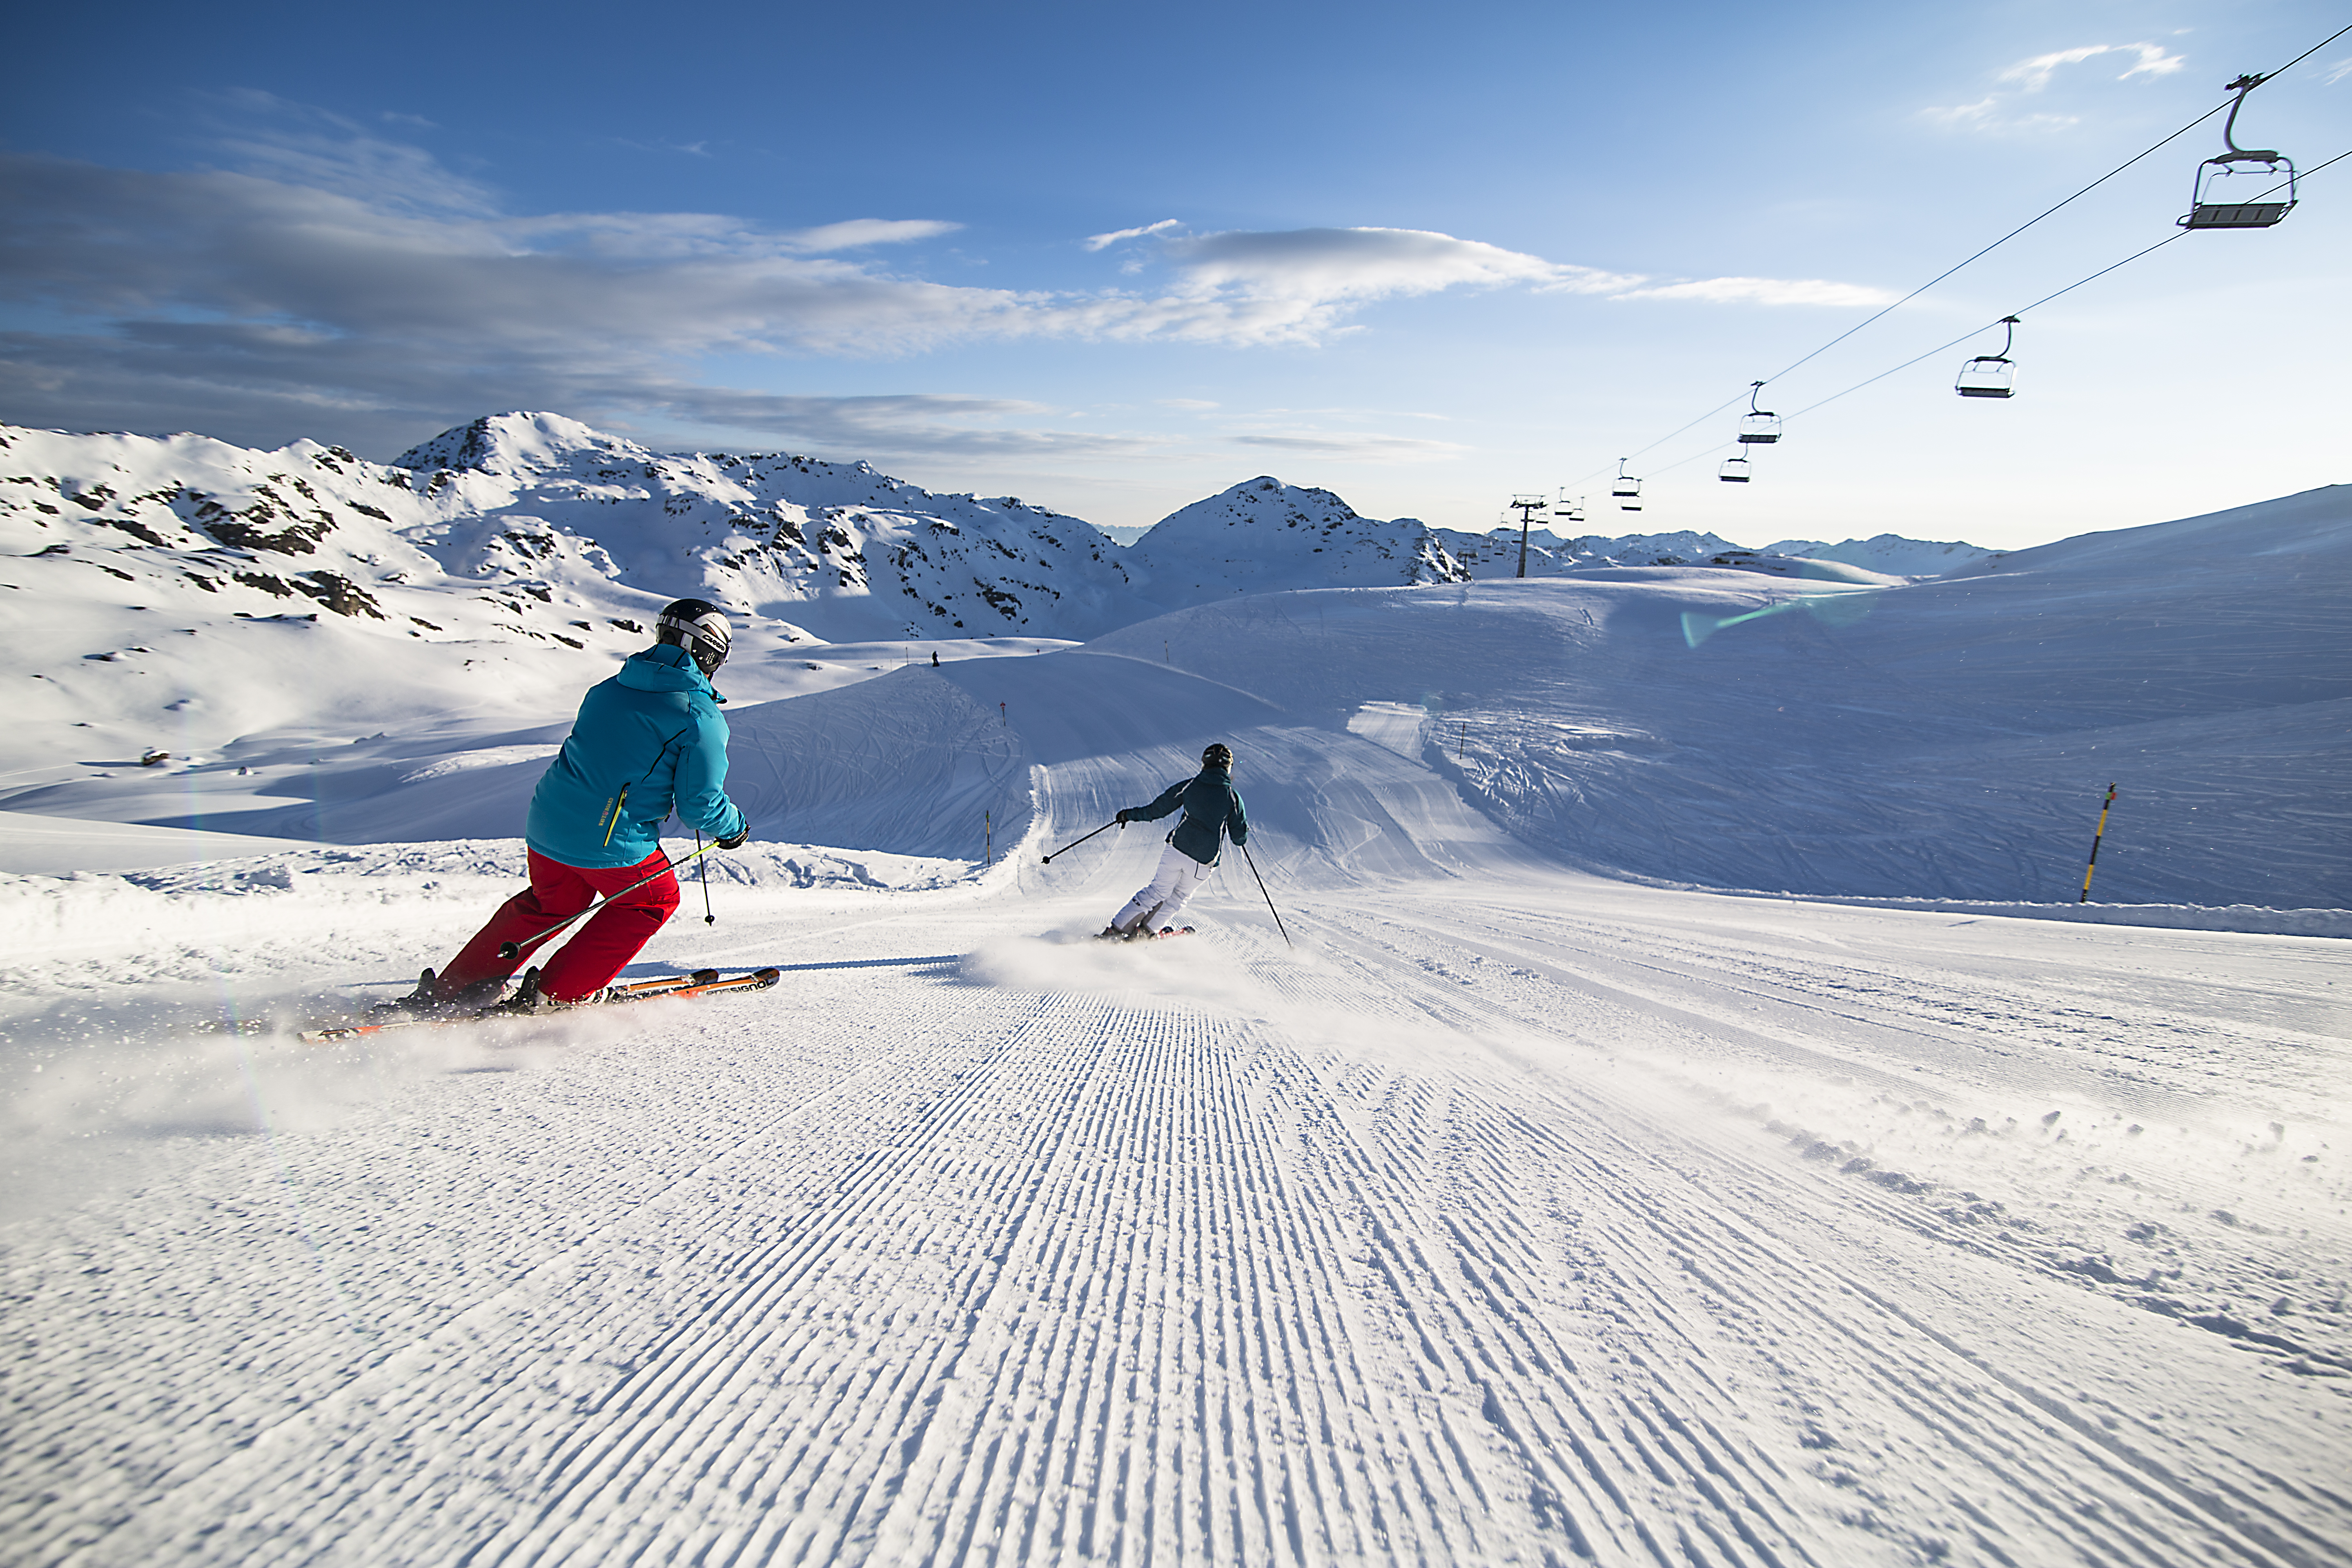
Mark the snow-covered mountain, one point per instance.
(1893, 554)
(1265, 536)
(839, 549)
(180, 594)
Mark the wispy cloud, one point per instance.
(1999, 110)
(1768, 291)
(2151, 59)
(1104, 241)
(1362, 448)
(860, 232)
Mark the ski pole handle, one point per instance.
(1074, 843)
(510, 951)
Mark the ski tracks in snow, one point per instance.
(1339, 1259)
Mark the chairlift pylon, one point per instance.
(1991, 376)
(2225, 193)
(1734, 470)
(1627, 489)
(1757, 427)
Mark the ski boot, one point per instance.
(529, 1000)
(430, 998)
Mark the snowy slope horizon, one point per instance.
(1496, 554)
(1708, 727)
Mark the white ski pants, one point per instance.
(1159, 900)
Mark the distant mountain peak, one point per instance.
(1262, 535)
(517, 442)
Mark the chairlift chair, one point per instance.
(1627, 489)
(1991, 376)
(1734, 471)
(1757, 427)
(2230, 191)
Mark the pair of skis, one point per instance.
(701, 982)
(1163, 934)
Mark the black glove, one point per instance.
(1122, 819)
(737, 840)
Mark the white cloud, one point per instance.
(1364, 448)
(1769, 291)
(1336, 264)
(2033, 75)
(858, 232)
(1297, 286)
(1103, 241)
(2028, 76)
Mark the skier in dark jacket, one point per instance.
(1213, 812)
(648, 742)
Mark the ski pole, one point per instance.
(510, 951)
(1074, 843)
(1269, 897)
(702, 875)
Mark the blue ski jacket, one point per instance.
(1212, 810)
(647, 741)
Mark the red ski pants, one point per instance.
(597, 951)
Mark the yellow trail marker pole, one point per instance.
(2102, 833)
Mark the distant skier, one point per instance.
(1213, 812)
(647, 741)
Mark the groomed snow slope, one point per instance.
(1513, 1218)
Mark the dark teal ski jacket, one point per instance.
(647, 741)
(1212, 809)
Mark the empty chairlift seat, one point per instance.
(1757, 427)
(2241, 188)
(1991, 376)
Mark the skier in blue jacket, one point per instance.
(1213, 812)
(648, 742)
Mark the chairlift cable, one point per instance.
(1997, 243)
(2102, 272)
(2086, 190)
(2004, 239)
(2309, 52)
(1946, 348)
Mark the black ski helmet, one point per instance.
(699, 626)
(1218, 755)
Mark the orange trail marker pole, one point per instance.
(2102, 833)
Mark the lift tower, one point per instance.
(1527, 506)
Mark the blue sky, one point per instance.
(1113, 259)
